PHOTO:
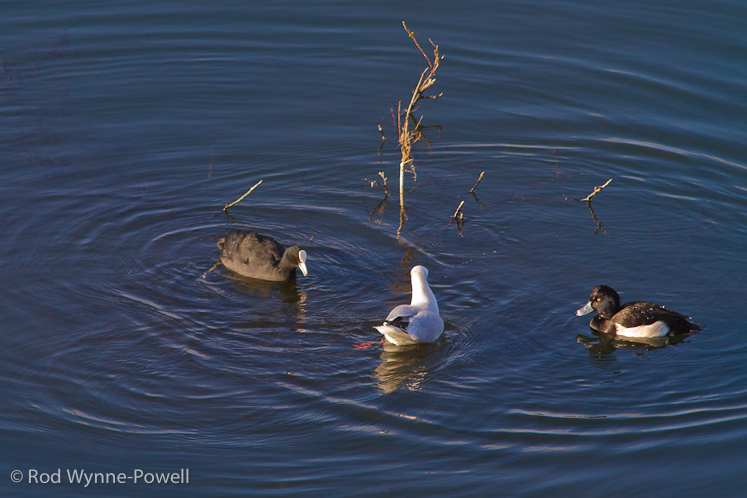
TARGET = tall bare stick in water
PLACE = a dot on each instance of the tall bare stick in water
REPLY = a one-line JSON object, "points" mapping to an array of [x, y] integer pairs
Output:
{"points": [[407, 137], [225, 209]]}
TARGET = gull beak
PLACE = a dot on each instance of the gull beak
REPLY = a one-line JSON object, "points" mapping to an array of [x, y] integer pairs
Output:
{"points": [[585, 310], [302, 262]]}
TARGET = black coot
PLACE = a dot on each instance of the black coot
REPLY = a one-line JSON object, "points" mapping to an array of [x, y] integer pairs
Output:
{"points": [[258, 256]]}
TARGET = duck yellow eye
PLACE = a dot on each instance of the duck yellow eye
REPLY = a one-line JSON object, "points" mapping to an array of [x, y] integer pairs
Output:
{"points": [[599, 299]]}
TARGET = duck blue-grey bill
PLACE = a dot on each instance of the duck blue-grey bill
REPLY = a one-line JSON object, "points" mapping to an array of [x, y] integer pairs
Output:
{"points": [[585, 310]]}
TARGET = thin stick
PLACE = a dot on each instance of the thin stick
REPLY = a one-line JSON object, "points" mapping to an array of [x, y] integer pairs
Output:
{"points": [[456, 213], [412, 35], [373, 182], [383, 138], [225, 209], [472, 190], [211, 269], [596, 191]]}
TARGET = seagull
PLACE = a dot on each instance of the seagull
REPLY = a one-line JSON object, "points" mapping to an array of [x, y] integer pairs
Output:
{"points": [[418, 321]]}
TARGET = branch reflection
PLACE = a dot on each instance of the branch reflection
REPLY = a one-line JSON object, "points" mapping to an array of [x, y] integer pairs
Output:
{"points": [[599, 224]]}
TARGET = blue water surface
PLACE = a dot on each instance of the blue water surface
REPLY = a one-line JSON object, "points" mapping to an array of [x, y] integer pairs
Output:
{"points": [[128, 126]]}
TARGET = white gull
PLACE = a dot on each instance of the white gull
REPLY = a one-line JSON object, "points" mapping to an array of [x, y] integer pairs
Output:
{"points": [[418, 321]]}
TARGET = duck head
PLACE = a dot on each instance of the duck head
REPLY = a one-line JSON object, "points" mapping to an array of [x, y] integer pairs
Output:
{"points": [[604, 300]]}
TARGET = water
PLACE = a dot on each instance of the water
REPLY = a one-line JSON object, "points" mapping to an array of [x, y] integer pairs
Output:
{"points": [[127, 127]]}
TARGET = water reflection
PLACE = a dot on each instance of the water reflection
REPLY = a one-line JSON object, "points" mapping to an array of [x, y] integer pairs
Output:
{"points": [[402, 363], [607, 344], [261, 288], [599, 223], [379, 211]]}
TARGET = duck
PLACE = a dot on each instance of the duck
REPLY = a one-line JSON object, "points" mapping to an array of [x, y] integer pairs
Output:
{"points": [[254, 255], [635, 319], [417, 322]]}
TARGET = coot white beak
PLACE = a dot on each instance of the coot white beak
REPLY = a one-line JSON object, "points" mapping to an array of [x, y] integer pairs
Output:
{"points": [[302, 262], [585, 310]]}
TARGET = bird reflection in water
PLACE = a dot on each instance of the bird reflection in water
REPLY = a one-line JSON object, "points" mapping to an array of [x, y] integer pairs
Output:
{"points": [[607, 344], [287, 291], [403, 366]]}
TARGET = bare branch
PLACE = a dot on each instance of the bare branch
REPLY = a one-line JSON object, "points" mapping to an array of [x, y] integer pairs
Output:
{"points": [[456, 213], [596, 191], [412, 35], [374, 182], [225, 209], [472, 190]]}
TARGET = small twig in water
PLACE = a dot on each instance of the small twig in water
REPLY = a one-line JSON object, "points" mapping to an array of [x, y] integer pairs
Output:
{"points": [[596, 191], [225, 209], [472, 190], [373, 182], [457, 212], [383, 140], [459, 219], [211, 269]]}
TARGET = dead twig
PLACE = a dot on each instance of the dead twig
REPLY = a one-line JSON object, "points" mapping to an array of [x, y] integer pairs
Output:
{"points": [[459, 219], [472, 190], [383, 140], [225, 209], [407, 137], [412, 35], [458, 211], [596, 191], [374, 182], [211, 269]]}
